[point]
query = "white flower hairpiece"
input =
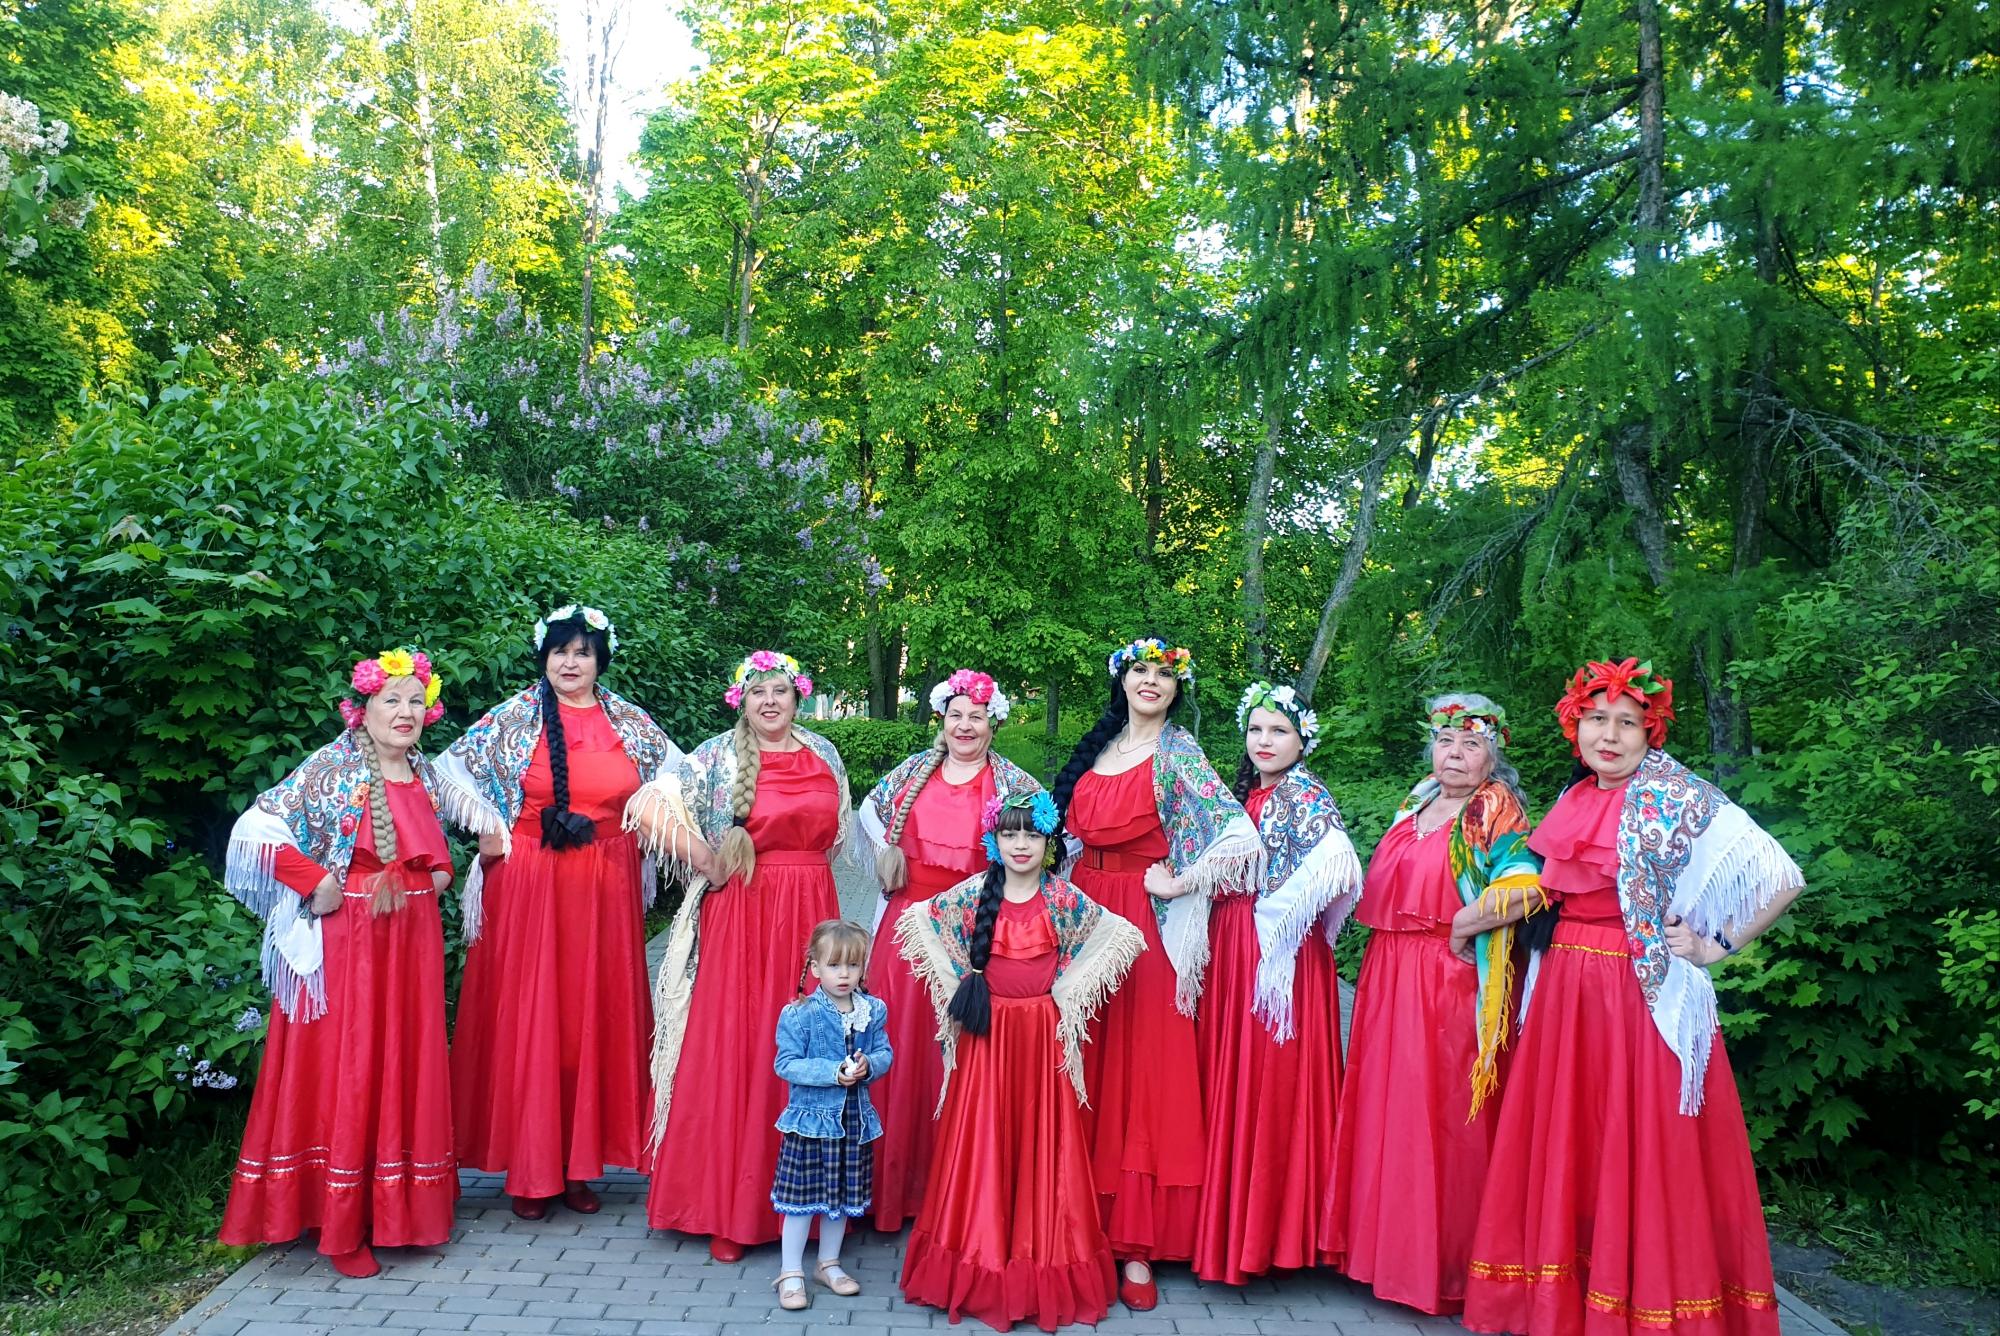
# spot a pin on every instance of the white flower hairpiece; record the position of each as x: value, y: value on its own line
x: 592, y: 618
x: 1285, y: 700
x: 976, y: 687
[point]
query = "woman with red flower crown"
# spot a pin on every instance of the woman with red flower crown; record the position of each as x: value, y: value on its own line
x: 919, y: 830
x: 1621, y: 1194
x: 350, y: 1126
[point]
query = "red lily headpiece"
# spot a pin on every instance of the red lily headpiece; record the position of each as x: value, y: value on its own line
x: 1654, y: 693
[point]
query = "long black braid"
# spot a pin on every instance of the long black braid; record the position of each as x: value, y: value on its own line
x: 562, y: 828
x: 972, y: 1005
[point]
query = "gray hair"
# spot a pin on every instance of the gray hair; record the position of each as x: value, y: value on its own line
x: 1474, y: 703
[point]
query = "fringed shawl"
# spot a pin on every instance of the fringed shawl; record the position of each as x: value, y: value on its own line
x: 1686, y: 851
x: 1210, y: 844
x: 1310, y: 875
x: 318, y: 810
x: 480, y: 776
x: 694, y: 797
x: 877, y: 811
x: 1094, y: 948
x: 1491, y: 865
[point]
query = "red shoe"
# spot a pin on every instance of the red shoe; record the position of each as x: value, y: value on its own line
x: 530, y: 1208
x: 1141, y: 1296
x: 722, y: 1250
x: 359, y: 1264
x: 579, y: 1198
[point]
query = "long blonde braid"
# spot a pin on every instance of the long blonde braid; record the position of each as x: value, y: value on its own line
x: 892, y: 865
x: 737, y: 856
x: 388, y: 896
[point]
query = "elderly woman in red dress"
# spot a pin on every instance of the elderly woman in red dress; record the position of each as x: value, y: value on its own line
x: 1431, y: 1014
x: 350, y: 1125
x: 755, y: 817
x: 1621, y: 1195
x: 1161, y: 835
x: 549, y: 1059
x: 919, y: 830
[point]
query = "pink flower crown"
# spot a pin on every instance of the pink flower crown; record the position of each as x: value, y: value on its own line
x: 759, y: 663
x: 975, y: 687
x: 371, y: 675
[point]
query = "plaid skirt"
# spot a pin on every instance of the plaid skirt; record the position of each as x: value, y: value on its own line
x: 826, y: 1176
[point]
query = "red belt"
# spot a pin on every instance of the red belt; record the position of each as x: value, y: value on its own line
x: 1117, y: 860
x: 792, y: 857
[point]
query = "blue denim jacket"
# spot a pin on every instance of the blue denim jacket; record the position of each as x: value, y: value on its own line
x: 812, y: 1043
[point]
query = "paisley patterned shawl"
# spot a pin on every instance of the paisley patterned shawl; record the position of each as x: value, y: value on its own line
x: 1491, y: 865
x: 1686, y: 851
x: 1210, y: 844
x: 1310, y: 875
x: 877, y: 811
x: 318, y: 810
x: 1094, y: 949
x: 480, y: 775
x: 694, y: 796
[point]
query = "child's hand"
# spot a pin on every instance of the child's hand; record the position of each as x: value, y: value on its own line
x: 854, y: 1070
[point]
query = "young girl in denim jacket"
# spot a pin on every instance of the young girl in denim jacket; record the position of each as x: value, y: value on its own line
x: 831, y: 1044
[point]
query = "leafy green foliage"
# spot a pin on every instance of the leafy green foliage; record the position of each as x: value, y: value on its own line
x: 871, y: 748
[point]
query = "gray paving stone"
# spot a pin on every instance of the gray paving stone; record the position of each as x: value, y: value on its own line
x: 406, y: 1321
x: 578, y: 1326
x: 680, y: 1329
x: 481, y: 1304
x: 496, y: 1322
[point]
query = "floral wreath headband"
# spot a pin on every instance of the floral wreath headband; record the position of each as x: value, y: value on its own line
x: 975, y: 687
x: 759, y: 663
x: 371, y: 675
x: 1285, y: 701
x: 1151, y: 650
x: 1041, y: 810
x: 1654, y: 693
x: 1486, y: 723
x: 592, y: 618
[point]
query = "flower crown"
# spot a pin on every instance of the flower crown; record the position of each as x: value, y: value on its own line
x: 371, y: 675
x: 1284, y: 700
x: 1486, y: 723
x: 1151, y: 650
x: 1041, y: 810
x: 1654, y: 693
x: 592, y: 618
x: 760, y: 662
x: 975, y: 687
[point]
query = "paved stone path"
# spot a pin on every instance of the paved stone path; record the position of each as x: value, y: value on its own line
x: 607, y: 1275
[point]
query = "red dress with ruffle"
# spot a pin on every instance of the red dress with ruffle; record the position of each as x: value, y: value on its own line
x: 941, y: 841
x: 1142, y: 1065
x: 1409, y: 1166
x: 1009, y: 1230
x: 555, y: 1020
x: 350, y: 1123
x: 712, y: 1173
x: 1607, y: 1211
x: 1271, y: 1107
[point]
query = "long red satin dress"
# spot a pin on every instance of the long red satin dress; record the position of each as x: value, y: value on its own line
x: 941, y: 840
x: 1409, y: 1166
x: 712, y: 1174
x: 350, y: 1124
x: 1142, y: 1066
x: 1271, y: 1107
x: 555, y: 1020
x: 1607, y: 1211
x: 1009, y: 1230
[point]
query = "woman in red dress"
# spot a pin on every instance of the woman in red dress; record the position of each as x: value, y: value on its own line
x: 919, y: 830
x: 1270, y: 1020
x: 350, y: 1125
x: 549, y: 1060
x: 1015, y: 961
x: 1621, y: 1195
x: 1417, y: 1110
x: 1161, y: 834
x: 755, y: 817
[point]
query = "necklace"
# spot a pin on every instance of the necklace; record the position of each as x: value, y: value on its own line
x: 1118, y: 745
x: 1417, y: 821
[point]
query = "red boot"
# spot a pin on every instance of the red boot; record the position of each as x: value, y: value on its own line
x: 359, y: 1264
x: 579, y: 1198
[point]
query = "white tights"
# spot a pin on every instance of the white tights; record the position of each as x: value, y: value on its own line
x: 792, y: 1241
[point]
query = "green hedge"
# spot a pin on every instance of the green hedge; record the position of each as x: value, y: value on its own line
x: 871, y: 748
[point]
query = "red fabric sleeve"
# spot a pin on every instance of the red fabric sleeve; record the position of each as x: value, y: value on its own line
x: 299, y: 872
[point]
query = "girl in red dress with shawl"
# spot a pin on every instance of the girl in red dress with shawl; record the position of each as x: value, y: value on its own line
x: 919, y: 830
x: 754, y: 817
x: 1161, y: 834
x: 549, y: 1060
x: 1621, y: 1196
x: 1431, y: 1014
x: 350, y: 1125
x: 1269, y: 1028
x: 1016, y: 963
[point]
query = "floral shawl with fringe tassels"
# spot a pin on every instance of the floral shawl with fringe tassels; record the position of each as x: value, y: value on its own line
x: 1491, y: 865
x: 877, y: 811
x: 1686, y: 851
x: 1310, y: 875
x: 695, y: 797
x: 480, y: 776
x: 1210, y: 844
x: 318, y: 810
x: 1094, y: 948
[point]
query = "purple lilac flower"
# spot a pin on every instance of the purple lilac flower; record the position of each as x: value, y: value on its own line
x: 805, y: 537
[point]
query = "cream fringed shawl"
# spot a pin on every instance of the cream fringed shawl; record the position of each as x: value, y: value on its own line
x: 1094, y: 949
x: 694, y: 800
